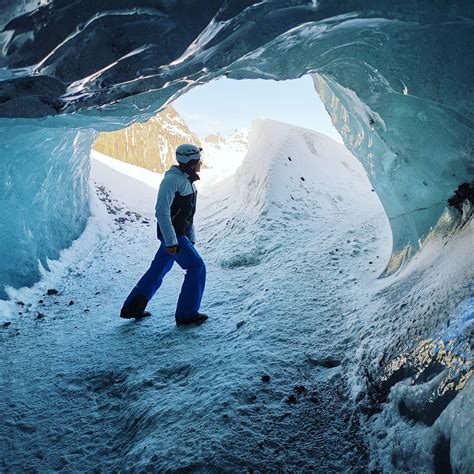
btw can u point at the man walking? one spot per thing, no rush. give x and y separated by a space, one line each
175 209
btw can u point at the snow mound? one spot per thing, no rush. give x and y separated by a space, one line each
290 180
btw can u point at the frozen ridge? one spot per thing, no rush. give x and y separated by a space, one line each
292 295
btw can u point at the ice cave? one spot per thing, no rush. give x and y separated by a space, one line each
372 373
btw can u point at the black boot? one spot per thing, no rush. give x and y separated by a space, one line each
136 308
198 318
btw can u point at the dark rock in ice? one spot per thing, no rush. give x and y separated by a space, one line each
86 310
71 303
327 362
7 324
291 400
265 378
20 303
253 397
52 291
40 316
239 324
40 302
465 192
302 179
299 389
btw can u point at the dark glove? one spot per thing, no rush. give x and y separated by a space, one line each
174 249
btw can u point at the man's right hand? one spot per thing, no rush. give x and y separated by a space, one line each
172 250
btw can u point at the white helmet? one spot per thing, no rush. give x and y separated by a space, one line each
186 152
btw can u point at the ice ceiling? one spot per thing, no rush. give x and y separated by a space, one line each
395 76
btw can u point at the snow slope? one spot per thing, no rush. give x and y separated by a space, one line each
294 243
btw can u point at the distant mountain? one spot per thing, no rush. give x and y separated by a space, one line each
150 145
237 141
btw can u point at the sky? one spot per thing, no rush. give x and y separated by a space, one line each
223 105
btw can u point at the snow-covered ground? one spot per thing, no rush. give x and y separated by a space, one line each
294 242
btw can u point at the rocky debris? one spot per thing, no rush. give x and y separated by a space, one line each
265 378
52 291
326 362
40 316
299 389
20 303
71 303
464 192
40 302
291 400
7 324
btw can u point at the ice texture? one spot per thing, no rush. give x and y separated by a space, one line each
44 195
395 77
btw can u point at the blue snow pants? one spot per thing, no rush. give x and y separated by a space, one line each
192 290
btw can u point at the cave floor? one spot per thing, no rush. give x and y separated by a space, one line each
88 391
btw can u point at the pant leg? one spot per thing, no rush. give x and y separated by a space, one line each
149 283
192 290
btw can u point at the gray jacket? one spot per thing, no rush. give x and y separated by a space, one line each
175 207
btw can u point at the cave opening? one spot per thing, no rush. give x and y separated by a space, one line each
253 389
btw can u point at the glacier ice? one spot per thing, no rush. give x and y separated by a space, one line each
395 77
45 200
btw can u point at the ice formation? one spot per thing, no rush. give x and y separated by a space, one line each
394 75
396 79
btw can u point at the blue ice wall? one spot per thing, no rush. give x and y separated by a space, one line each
43 195
395 77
